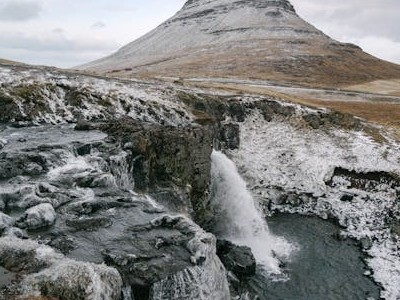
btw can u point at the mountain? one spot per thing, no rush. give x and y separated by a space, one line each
251 39
9 62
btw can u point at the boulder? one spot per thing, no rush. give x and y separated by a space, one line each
49 274
237 259
68 279
41 215
5 221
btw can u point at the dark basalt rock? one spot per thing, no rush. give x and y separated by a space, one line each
228 136
333 118
83 125
368 181
89 223
237 259
173 158
347 197
12 165
9 109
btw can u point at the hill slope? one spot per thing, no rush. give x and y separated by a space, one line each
244 39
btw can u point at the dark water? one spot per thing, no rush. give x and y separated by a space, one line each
323 269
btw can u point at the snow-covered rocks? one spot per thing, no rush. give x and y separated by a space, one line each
41 215
294 169
5 221
49 273
37 96
75 280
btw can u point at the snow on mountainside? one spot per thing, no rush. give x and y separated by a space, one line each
244 39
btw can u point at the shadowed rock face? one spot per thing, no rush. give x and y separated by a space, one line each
246 39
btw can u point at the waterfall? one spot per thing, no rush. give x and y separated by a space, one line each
204 282
238 218
121 170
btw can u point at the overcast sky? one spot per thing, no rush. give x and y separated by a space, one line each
67 33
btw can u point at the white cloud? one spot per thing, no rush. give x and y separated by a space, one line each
371 24
19 10
383 47
54 48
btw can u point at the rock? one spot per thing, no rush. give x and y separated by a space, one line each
50 274
68 279
3 143
83 149
171 158
15 232
41 215
237 259
62 242
366 243
314 120
228 136
347 197
89 224
395 227
15 164
194 283
5 221
9 108
176 244
83 125
25 255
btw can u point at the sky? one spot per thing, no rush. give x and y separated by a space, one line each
67 33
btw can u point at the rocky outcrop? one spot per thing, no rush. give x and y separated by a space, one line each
63 97
237 259
85 203
172 164
367 181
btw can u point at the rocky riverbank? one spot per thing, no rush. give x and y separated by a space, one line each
121 207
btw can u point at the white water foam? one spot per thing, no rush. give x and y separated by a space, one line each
239 219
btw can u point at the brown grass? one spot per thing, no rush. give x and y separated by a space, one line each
386 114
386 87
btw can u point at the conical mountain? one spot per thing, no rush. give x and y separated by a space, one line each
256 39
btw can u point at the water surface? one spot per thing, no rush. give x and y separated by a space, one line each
324 268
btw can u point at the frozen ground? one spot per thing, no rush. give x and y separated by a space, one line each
51 96
302 161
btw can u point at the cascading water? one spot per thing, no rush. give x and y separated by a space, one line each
238 218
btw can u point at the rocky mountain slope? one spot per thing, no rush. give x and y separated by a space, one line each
254 39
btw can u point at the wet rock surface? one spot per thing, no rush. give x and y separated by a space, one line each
84 204
169 160
237 259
